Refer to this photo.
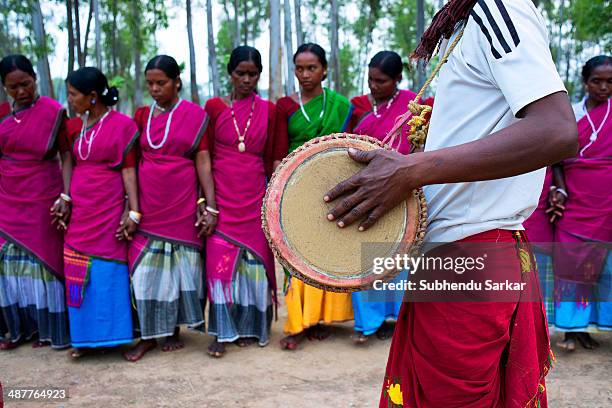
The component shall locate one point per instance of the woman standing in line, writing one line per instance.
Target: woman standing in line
(376, 113)
(32, 300)
(166, 254)
(239, 264)
(101, 223)
(583, 200)
(313, 111)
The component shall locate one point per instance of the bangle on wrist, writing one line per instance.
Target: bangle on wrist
(135, 216)
(66, 197)
(201, 200)
(562, 192)
(213, 211)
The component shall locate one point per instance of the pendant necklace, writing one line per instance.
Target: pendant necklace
(168, 123)
(595, 133)
(375, 105)
(14, 112)
(304, 110)
(241, 136)
(94, 133)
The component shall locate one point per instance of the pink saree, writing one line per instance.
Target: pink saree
(379, 127)
(586, 225)
(240, 185)
(167, 177)
(97, 189)
(31, 180)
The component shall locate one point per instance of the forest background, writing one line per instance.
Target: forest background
(120, 36)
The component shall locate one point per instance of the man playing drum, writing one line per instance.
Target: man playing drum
(501, 115)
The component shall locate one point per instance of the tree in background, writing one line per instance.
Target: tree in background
(276, 73)
(213, 68)
(195, 98)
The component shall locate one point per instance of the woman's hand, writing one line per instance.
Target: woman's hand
(206, 222)
(375, 190)
(127, 228)
(556, 201)
(60, 213)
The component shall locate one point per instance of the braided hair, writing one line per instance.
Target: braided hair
(442, 27)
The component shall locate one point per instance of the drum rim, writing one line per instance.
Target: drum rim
(410, 243)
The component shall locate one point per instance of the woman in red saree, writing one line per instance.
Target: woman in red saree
(166, 254)
(102, 219)
(239, 263)
(582, 262)
(31, 271)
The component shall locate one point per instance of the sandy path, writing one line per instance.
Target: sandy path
(334, 373)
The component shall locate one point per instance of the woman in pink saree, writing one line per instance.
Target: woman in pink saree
(239, 263)
(166, 254)
(31, 271)
(376, 113)
(105, 215)
(582, 258)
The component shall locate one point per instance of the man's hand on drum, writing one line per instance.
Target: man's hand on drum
(375, 190)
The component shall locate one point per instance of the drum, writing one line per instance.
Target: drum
(314, 249)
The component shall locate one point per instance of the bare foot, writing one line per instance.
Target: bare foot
(216, 349)
(137, 352)
(40, 344)
(77, 353)
(385, 331)
(246, 341)
(173, 342)
(9, 345)
(291, 342)
(359, 338)
(587, 341)
(569, 343)
(318, 332)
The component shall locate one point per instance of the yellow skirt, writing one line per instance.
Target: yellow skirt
(308, 306)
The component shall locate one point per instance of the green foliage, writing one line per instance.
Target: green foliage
(224, 46)
(593, 22)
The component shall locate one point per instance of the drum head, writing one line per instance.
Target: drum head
(314, 249)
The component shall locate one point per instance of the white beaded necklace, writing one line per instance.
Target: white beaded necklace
(595, 133)
(168, 122)
(94, 133)
(375, 105)
(304, 110)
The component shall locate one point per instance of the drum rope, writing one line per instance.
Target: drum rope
(416, 116)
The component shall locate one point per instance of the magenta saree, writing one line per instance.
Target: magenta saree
(31, 180)
(379, 127)
(239, 262)
(167, 178)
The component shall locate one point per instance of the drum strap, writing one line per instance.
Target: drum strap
(416, 116)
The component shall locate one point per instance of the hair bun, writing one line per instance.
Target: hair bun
(111, 96)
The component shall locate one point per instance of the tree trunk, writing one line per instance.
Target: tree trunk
(245, 23)
(137, 58)
(212, 52)
(276, 73)
(42, 64)
(70, 27)
(195, 98)
(335, 47)
(238, 31)
(290, 84)
(77, 26)
(87, 30)
(299, 33)
(420, 30)
(98, 45)
(114, 44)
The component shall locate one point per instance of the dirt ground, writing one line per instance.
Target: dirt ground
(333, 373)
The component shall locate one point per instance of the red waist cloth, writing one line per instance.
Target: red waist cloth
(472, 354)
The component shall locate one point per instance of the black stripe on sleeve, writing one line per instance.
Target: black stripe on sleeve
(494, 26)
(508, 20)
(486, 33)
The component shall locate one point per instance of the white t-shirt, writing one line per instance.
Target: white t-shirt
(501, 65)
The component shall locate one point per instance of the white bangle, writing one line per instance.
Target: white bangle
(562, 192)
(212, 211)
(66, 197)
(135, 216)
